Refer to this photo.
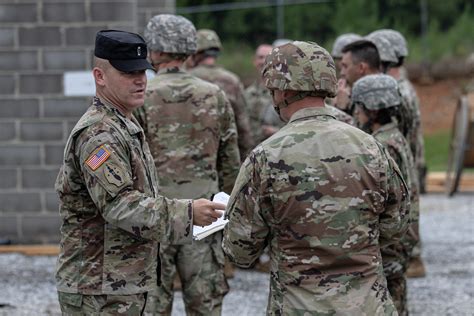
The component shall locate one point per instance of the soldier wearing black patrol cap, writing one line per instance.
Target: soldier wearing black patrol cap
(112, 216)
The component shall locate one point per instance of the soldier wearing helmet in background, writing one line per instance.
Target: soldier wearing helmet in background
(341, 42)
(377, 100)
(190, 127)
(410, 126)
(324, 195)
(203, 65)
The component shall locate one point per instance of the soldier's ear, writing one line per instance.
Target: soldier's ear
(99, 76)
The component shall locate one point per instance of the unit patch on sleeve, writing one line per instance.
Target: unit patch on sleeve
(97, 158)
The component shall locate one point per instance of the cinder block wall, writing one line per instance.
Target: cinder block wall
(39, 41)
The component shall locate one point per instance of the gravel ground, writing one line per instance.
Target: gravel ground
(447, 228)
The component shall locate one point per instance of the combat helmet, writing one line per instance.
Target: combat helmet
(384, 48)
(376, 92)
(341, 41)
(170, 33)
(396, 39)
(208, 39)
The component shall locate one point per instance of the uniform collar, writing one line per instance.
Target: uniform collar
(170, 70)
(385, 128)
(132, 125)
(311, 112)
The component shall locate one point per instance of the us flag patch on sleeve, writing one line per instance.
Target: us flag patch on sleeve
(97, 158)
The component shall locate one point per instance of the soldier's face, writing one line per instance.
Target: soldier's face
(260, 55)
(361, 118)
(124, 89)
(349, 70)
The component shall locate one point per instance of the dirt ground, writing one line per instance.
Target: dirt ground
(438, 101)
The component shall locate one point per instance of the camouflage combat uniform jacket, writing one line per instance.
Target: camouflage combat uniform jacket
(233, 89)
(339, 114)
(395, 259)
(260, 109)
(325, 196)
(411, 122)
(112, 215)
(191, 131)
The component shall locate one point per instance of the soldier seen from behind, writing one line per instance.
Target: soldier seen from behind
(190, 126)
(377, 101)
(203, 64)
(113, 218)
(323, 195)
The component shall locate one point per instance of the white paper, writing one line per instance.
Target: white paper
(200, 232)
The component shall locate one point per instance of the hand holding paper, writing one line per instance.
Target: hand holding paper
(202, 232)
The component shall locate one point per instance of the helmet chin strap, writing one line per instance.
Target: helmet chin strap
(299, 96)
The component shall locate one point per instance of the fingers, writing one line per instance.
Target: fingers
(217, 206)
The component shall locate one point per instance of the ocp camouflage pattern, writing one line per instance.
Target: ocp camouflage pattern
(113, 218)
(325, 197)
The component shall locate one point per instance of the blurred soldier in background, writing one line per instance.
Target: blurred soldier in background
(377, 101)
(341, 42)
(203, 65)
(324, 196)
(113, 219)
(263, 118)
(190, 126)
(410, 126)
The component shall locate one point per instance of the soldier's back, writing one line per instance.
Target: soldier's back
(325, 187)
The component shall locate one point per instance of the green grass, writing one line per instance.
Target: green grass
(436, 150)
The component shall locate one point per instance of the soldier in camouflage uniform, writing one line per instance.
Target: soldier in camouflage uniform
(341, 42)
(203, 65)
(190, 126)
(263, 118)
(112, 216)
(410, 126)
(376, 99)
(324, 196)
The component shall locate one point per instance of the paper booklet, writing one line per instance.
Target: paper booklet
(200, 232)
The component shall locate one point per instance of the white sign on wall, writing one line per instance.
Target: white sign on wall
(79, 83)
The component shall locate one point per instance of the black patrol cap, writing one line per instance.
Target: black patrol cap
(124, 50)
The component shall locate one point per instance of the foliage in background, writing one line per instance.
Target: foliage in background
(449, 33)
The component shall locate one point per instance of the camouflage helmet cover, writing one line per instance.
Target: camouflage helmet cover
(341, 41)
(376, 92)
(207, 39)
(384, 47)
(396, 39)
(300, 66)
(170, 33)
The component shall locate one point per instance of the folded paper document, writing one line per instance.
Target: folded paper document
(200, 232)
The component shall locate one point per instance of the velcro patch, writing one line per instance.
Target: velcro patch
(97, 158)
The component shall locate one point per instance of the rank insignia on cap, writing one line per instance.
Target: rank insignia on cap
(98, 157)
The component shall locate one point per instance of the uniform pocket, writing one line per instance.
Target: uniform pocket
(72, 299)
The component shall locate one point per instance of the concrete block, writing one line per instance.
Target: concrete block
(65, 107)
(41, 228)
(41, 131)
(17, 155)
(113, 11)
(16, 13)
(82, 35)
(19, 60)
(9, 226)
(41, 83)
(54, 154)
(18, 108)
(7, 84)
(8, 178)
(7, 131)
(64, 60)
(52, 202)
(64, 12)
(20, 202)
(7, 37)
(38, 178)
(40, 36)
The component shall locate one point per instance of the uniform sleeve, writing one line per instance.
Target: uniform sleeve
(111, 186)
(245, 136)
(246, 234)
(395, 217)
(228, 158)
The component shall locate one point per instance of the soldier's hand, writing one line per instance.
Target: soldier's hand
(343, 96)
(206, 212)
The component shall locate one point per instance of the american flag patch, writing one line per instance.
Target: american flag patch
(98, 157)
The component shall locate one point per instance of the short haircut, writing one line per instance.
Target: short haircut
(364, 51)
